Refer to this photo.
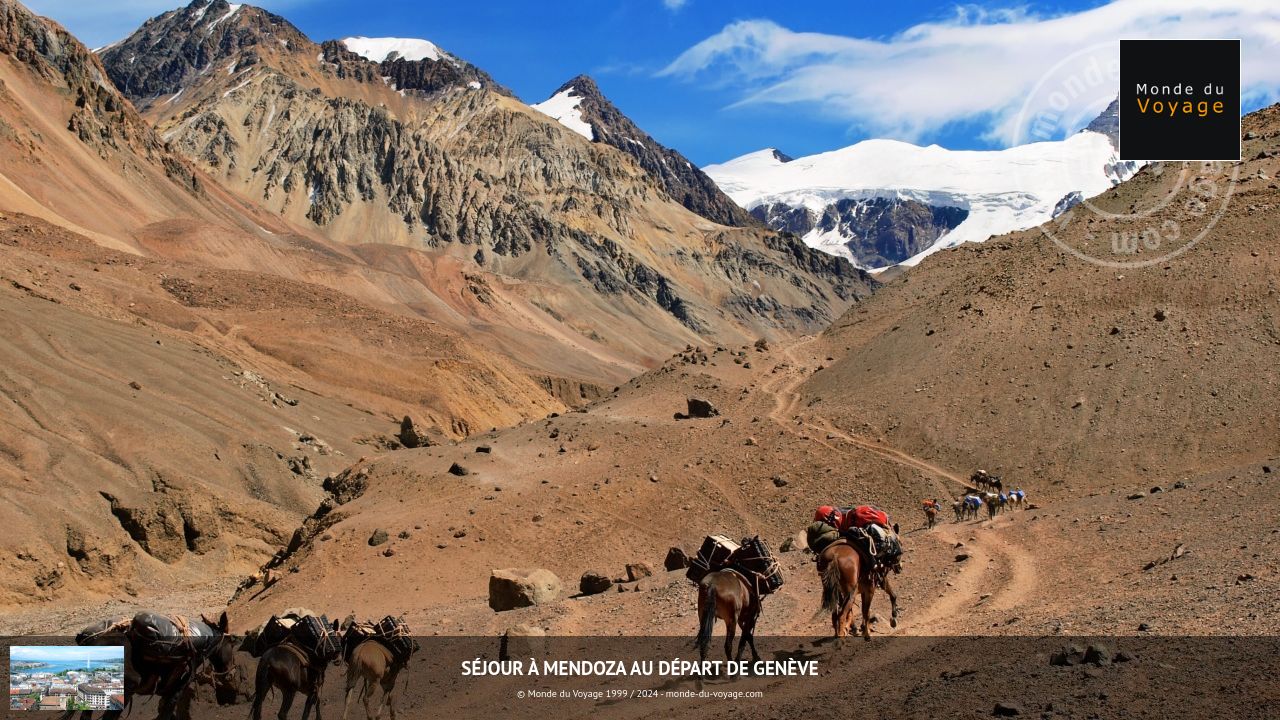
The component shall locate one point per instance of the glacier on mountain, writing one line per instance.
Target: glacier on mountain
(381, 49)
(997, 191)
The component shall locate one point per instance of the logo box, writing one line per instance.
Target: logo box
(1180, 100)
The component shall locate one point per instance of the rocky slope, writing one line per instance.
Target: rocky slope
(78, 154)
(137, 457)
(581, 106)
(148, 356)
(68, 134)
(568, 237)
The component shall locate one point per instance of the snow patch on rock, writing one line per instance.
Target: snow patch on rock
(382, 49)
(563, 106)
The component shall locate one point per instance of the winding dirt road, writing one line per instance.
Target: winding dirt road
(999, 572)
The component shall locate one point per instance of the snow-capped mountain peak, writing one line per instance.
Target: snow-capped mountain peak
(563, 106)
(580, 106)
(389, 48)
(887, 202)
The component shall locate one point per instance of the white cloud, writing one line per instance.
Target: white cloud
(674, 5)
(980, 66)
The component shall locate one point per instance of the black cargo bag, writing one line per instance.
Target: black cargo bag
(316, 636)
(713, 555)
(393, 632)
(273, 632)
(755, 557)
(164, 640)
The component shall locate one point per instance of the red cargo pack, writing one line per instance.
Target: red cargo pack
(830, 515)
(865, 515)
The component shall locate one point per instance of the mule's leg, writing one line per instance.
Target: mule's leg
(707, 613)
(255, 713)
(389, 694)
(286, 700)
(368, 701)
(382, 698)
(168, 708)
(730, 630)
(866, 589)
(316, 688)
(844, 615)
(741, 620)
(182, 706)
(893, 602)
(749, 633)
(352, 679)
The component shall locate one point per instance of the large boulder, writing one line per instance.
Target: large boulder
(409, 435)
(594, 583)
(523, 641)
(512, 588)
(636, 571)
(701, 409)
(677, 559)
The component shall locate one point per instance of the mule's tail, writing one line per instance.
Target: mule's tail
(833, 594)
(707, 624)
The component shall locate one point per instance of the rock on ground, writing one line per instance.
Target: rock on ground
(512, 588)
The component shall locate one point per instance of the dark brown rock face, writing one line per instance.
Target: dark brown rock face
(882, 231)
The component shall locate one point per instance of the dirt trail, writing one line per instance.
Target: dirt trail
(997, 567)
(787, 401)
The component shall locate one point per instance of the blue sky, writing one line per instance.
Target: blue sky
(62, 653)
(717, 79)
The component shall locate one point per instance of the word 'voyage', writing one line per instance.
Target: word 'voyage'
(665, 668)
(1174, 108)
(1152, 105)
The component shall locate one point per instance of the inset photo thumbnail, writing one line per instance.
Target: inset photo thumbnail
(66, 677)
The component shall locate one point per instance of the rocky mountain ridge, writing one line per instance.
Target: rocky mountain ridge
(180, 367)
(102, 118)
(877, 231)
(574, 232)
(173, 50)
(681, 179)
